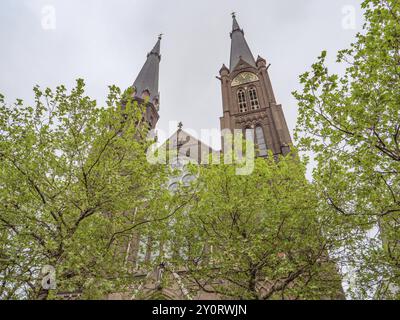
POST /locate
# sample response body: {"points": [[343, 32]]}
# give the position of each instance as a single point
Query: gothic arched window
{"points": [[242, 100], [260, 142], [254, 99]]}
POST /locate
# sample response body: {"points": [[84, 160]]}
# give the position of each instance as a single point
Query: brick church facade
{"points": [[248, 99], [248, 102]]}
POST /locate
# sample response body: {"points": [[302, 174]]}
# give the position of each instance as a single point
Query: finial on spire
{"points": [[235, 25], [180, 126], [160, 36]]}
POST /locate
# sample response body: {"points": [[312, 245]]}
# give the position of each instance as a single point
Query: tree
{"points": [[75, 184], [351, 124], [258, 236]]}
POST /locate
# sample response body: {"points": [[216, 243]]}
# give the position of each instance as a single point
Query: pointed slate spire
{"points": [[147, 80], [239, 47]]}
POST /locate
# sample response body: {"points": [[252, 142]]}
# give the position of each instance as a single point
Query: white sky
{"points": [[106, 42]]}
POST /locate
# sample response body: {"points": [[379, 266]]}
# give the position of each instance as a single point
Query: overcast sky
{"points": [[106, 42]]}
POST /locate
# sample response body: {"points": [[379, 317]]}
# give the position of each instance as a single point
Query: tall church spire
{"points": [[248, 99], [147, 80], [239, 47]]}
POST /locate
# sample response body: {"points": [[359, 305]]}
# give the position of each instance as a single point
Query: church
{"points": [[248, 103], [248, 100]]}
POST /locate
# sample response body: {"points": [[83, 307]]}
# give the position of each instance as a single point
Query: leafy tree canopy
{"points": [[350, 123]]}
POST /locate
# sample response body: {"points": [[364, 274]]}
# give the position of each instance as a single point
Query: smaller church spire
{"points": [[147, 80], [239, 47]]}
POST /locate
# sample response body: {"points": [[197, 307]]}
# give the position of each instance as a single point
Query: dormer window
{"points": [[145, 94]]}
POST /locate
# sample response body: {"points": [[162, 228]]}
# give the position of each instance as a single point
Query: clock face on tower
{"points": [[244, 77]]}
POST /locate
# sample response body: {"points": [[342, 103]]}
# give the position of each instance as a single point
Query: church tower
{"points": [[248, 98], [146, 85]]}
